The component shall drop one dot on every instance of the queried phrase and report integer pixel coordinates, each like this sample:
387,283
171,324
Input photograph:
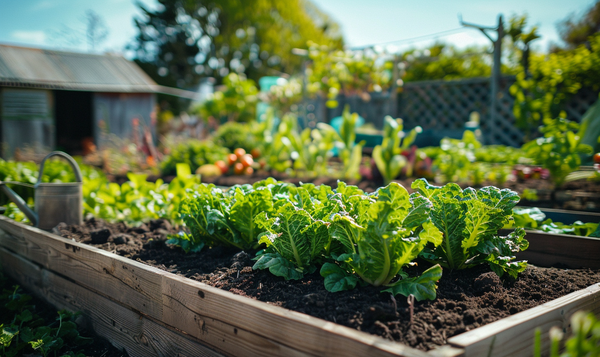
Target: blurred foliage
552,79
138,200
232,135
558,150
235,101
181,41
519,46
309,149
27,172
443,61
331,72
192,152
576,31
583,341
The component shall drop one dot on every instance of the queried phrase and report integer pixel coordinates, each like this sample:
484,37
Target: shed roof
40,68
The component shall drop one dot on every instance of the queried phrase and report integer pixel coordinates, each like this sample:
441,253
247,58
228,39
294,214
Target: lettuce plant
295,232
469,221
217,218
385,232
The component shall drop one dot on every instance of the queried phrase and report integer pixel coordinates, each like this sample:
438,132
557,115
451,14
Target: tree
575,31
96,31
521,40
184,40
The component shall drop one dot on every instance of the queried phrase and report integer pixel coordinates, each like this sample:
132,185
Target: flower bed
141,308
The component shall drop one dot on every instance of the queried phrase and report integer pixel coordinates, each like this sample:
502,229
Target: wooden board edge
124,328
265,312
506,336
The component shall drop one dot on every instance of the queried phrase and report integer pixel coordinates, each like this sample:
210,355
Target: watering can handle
65,156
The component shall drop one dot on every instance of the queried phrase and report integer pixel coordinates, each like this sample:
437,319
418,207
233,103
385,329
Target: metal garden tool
54,202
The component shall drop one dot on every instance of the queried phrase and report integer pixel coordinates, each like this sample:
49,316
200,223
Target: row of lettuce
353,237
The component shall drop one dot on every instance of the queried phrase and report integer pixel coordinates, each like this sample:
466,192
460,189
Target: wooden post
496,69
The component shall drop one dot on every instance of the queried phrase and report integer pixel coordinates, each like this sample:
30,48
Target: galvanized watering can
54,202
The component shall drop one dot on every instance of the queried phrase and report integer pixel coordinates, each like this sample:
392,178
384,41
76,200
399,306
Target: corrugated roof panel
69,70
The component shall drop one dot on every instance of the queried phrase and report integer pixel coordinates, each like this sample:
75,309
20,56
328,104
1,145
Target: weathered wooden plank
447,351
302,332
131,283
122,279
513,336
547,250
126,329
235,325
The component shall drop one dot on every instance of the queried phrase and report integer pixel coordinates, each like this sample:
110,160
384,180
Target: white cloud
36,37
44,4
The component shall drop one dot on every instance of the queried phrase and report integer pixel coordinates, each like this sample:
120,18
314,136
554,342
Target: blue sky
36,22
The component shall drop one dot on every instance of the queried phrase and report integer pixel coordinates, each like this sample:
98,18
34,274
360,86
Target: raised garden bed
149,311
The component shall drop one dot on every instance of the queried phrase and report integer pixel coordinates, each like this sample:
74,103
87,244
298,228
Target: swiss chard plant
388,156
378,235
350,152
469,220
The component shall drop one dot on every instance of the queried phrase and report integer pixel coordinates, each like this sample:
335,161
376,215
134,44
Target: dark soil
466,299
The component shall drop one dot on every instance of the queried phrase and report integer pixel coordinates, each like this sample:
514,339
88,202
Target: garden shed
56,99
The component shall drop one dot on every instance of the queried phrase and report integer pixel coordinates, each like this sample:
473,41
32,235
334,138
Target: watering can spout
33,217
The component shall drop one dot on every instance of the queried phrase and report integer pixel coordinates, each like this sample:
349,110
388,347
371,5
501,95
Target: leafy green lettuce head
469,220
387,232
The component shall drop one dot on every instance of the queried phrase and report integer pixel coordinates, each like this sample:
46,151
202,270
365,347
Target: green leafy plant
226,218
388,156
23,332
310,149
295,233
194,153
349,152
455,158
559,149
534,218
387,232
138,200
469,221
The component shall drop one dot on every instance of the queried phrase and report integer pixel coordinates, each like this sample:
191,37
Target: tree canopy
576,30
182,41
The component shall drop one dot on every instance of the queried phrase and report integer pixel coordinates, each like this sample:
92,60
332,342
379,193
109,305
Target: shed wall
27,120
114,114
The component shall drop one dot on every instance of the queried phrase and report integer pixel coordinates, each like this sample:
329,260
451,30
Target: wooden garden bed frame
150,312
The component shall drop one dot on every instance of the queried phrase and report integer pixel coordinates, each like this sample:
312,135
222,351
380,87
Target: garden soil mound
466,299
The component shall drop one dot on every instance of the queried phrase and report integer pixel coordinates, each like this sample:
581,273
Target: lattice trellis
441,105
445,106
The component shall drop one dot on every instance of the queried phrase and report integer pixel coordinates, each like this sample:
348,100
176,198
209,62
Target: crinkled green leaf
336,278
469,221
422,287
376,242
278,266
246,207
294,233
